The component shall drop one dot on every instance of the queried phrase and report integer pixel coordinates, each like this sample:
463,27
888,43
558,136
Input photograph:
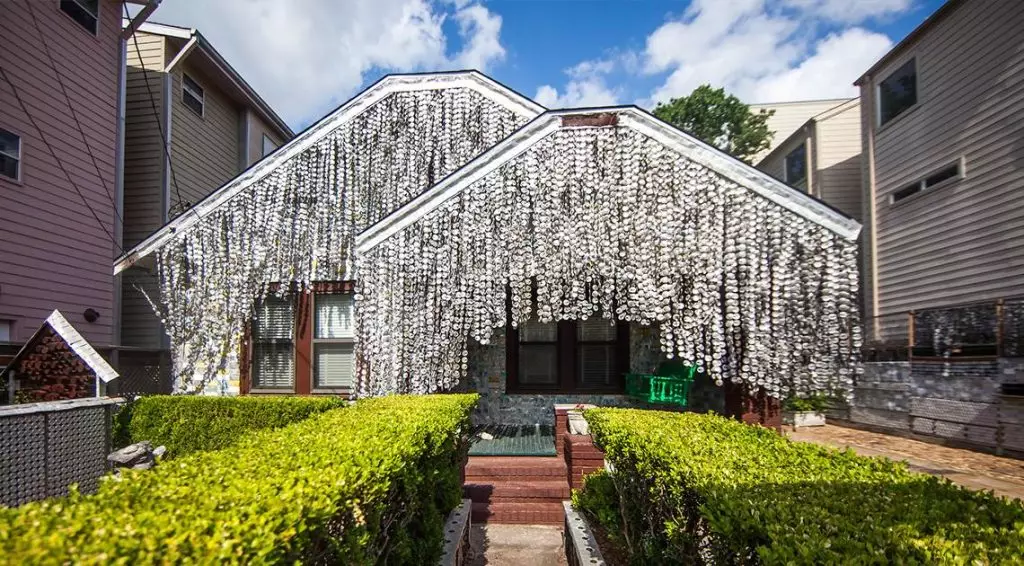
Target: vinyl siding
963,241
54,254
775,164
789,116
144,156
205,150
837,159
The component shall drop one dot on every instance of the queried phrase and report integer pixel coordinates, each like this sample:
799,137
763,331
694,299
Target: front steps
517,489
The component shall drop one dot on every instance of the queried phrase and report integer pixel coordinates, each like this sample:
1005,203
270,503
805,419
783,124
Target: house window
588,355
942,176
898,92
273,339
5,331
85,12
192,94
268,145
333,342
796,165
10,155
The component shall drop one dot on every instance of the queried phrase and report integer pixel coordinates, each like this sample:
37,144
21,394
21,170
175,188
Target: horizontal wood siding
257,128
204,150
963,241
837,160
143,156
54,254
788,117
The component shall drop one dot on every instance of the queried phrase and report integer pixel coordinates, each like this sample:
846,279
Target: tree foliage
719,119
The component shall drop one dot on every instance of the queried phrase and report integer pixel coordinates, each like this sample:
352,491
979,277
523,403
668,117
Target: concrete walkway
976,470
516,545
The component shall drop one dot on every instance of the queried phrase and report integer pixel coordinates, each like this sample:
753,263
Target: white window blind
333,347
273,346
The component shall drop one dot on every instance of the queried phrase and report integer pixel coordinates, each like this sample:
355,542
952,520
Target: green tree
719,119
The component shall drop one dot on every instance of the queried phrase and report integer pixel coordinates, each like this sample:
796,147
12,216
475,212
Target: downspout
872,243
122,74
165,200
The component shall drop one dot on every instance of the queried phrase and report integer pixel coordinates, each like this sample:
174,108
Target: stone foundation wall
953,400
486,376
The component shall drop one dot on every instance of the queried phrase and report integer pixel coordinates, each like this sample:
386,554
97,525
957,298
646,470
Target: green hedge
193,423
367,484
689,488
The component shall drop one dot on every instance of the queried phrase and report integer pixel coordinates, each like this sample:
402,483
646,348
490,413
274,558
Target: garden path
516,545
976,470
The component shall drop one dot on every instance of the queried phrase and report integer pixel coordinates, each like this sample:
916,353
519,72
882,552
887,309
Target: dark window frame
950,173
18,159
567,353
802,148
80,14
886,116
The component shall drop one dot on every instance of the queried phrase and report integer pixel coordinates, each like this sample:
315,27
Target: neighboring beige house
788,117
822,156
943,140
192,124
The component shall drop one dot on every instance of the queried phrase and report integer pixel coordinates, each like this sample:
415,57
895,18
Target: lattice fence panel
22,459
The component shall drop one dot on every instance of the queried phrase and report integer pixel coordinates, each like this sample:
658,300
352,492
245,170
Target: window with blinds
333,342
596,344
274,344
538,353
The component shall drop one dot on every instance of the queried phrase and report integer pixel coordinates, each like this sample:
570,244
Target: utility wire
60,164
156,114
74,115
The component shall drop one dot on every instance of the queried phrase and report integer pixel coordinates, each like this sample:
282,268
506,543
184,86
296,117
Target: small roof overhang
79,345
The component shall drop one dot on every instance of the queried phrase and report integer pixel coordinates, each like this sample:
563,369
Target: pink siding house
60,191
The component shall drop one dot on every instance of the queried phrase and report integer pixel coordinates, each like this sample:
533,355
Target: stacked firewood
51,371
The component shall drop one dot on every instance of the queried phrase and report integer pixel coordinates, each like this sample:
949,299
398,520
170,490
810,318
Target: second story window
85,12
10,155
898,92
192,94
268,145
796,165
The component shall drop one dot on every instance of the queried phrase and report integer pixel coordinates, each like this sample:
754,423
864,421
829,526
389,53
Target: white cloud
306,56
759,50
586,87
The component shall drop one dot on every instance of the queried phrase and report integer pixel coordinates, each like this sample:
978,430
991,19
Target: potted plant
578,424
805,411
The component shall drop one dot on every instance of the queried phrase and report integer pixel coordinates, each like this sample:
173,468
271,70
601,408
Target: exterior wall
775,163
837,178
954,401
486,376
144,157
257,129
789,116
54,254
970,95
204,149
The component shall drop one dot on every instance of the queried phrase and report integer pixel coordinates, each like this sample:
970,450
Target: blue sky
307,56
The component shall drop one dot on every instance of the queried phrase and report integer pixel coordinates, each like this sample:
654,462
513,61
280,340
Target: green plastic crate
670,385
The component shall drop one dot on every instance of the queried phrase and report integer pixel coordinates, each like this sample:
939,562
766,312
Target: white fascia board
742,173
457,182
81,347
163,29
374,94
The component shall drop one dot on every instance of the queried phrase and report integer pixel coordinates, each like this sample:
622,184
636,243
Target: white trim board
737,171
391,84
79,345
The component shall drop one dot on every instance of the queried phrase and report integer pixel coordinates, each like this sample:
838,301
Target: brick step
532,513
484,469
521,491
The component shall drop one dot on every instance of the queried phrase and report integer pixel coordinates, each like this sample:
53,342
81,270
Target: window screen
333,347
273,344
597,341
85,12
192,94
10,155
538,353
898,92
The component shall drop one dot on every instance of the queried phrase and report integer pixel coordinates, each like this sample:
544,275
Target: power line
74,115
156,115
60,164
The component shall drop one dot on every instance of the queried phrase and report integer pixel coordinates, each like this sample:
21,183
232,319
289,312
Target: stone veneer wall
486,376
955,400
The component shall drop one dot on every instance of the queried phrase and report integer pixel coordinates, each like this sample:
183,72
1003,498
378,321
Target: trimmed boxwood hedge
193,423
367,484
693,489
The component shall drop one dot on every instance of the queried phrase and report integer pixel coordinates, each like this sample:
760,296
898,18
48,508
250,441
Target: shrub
193,423
817,403
705,489
368,484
